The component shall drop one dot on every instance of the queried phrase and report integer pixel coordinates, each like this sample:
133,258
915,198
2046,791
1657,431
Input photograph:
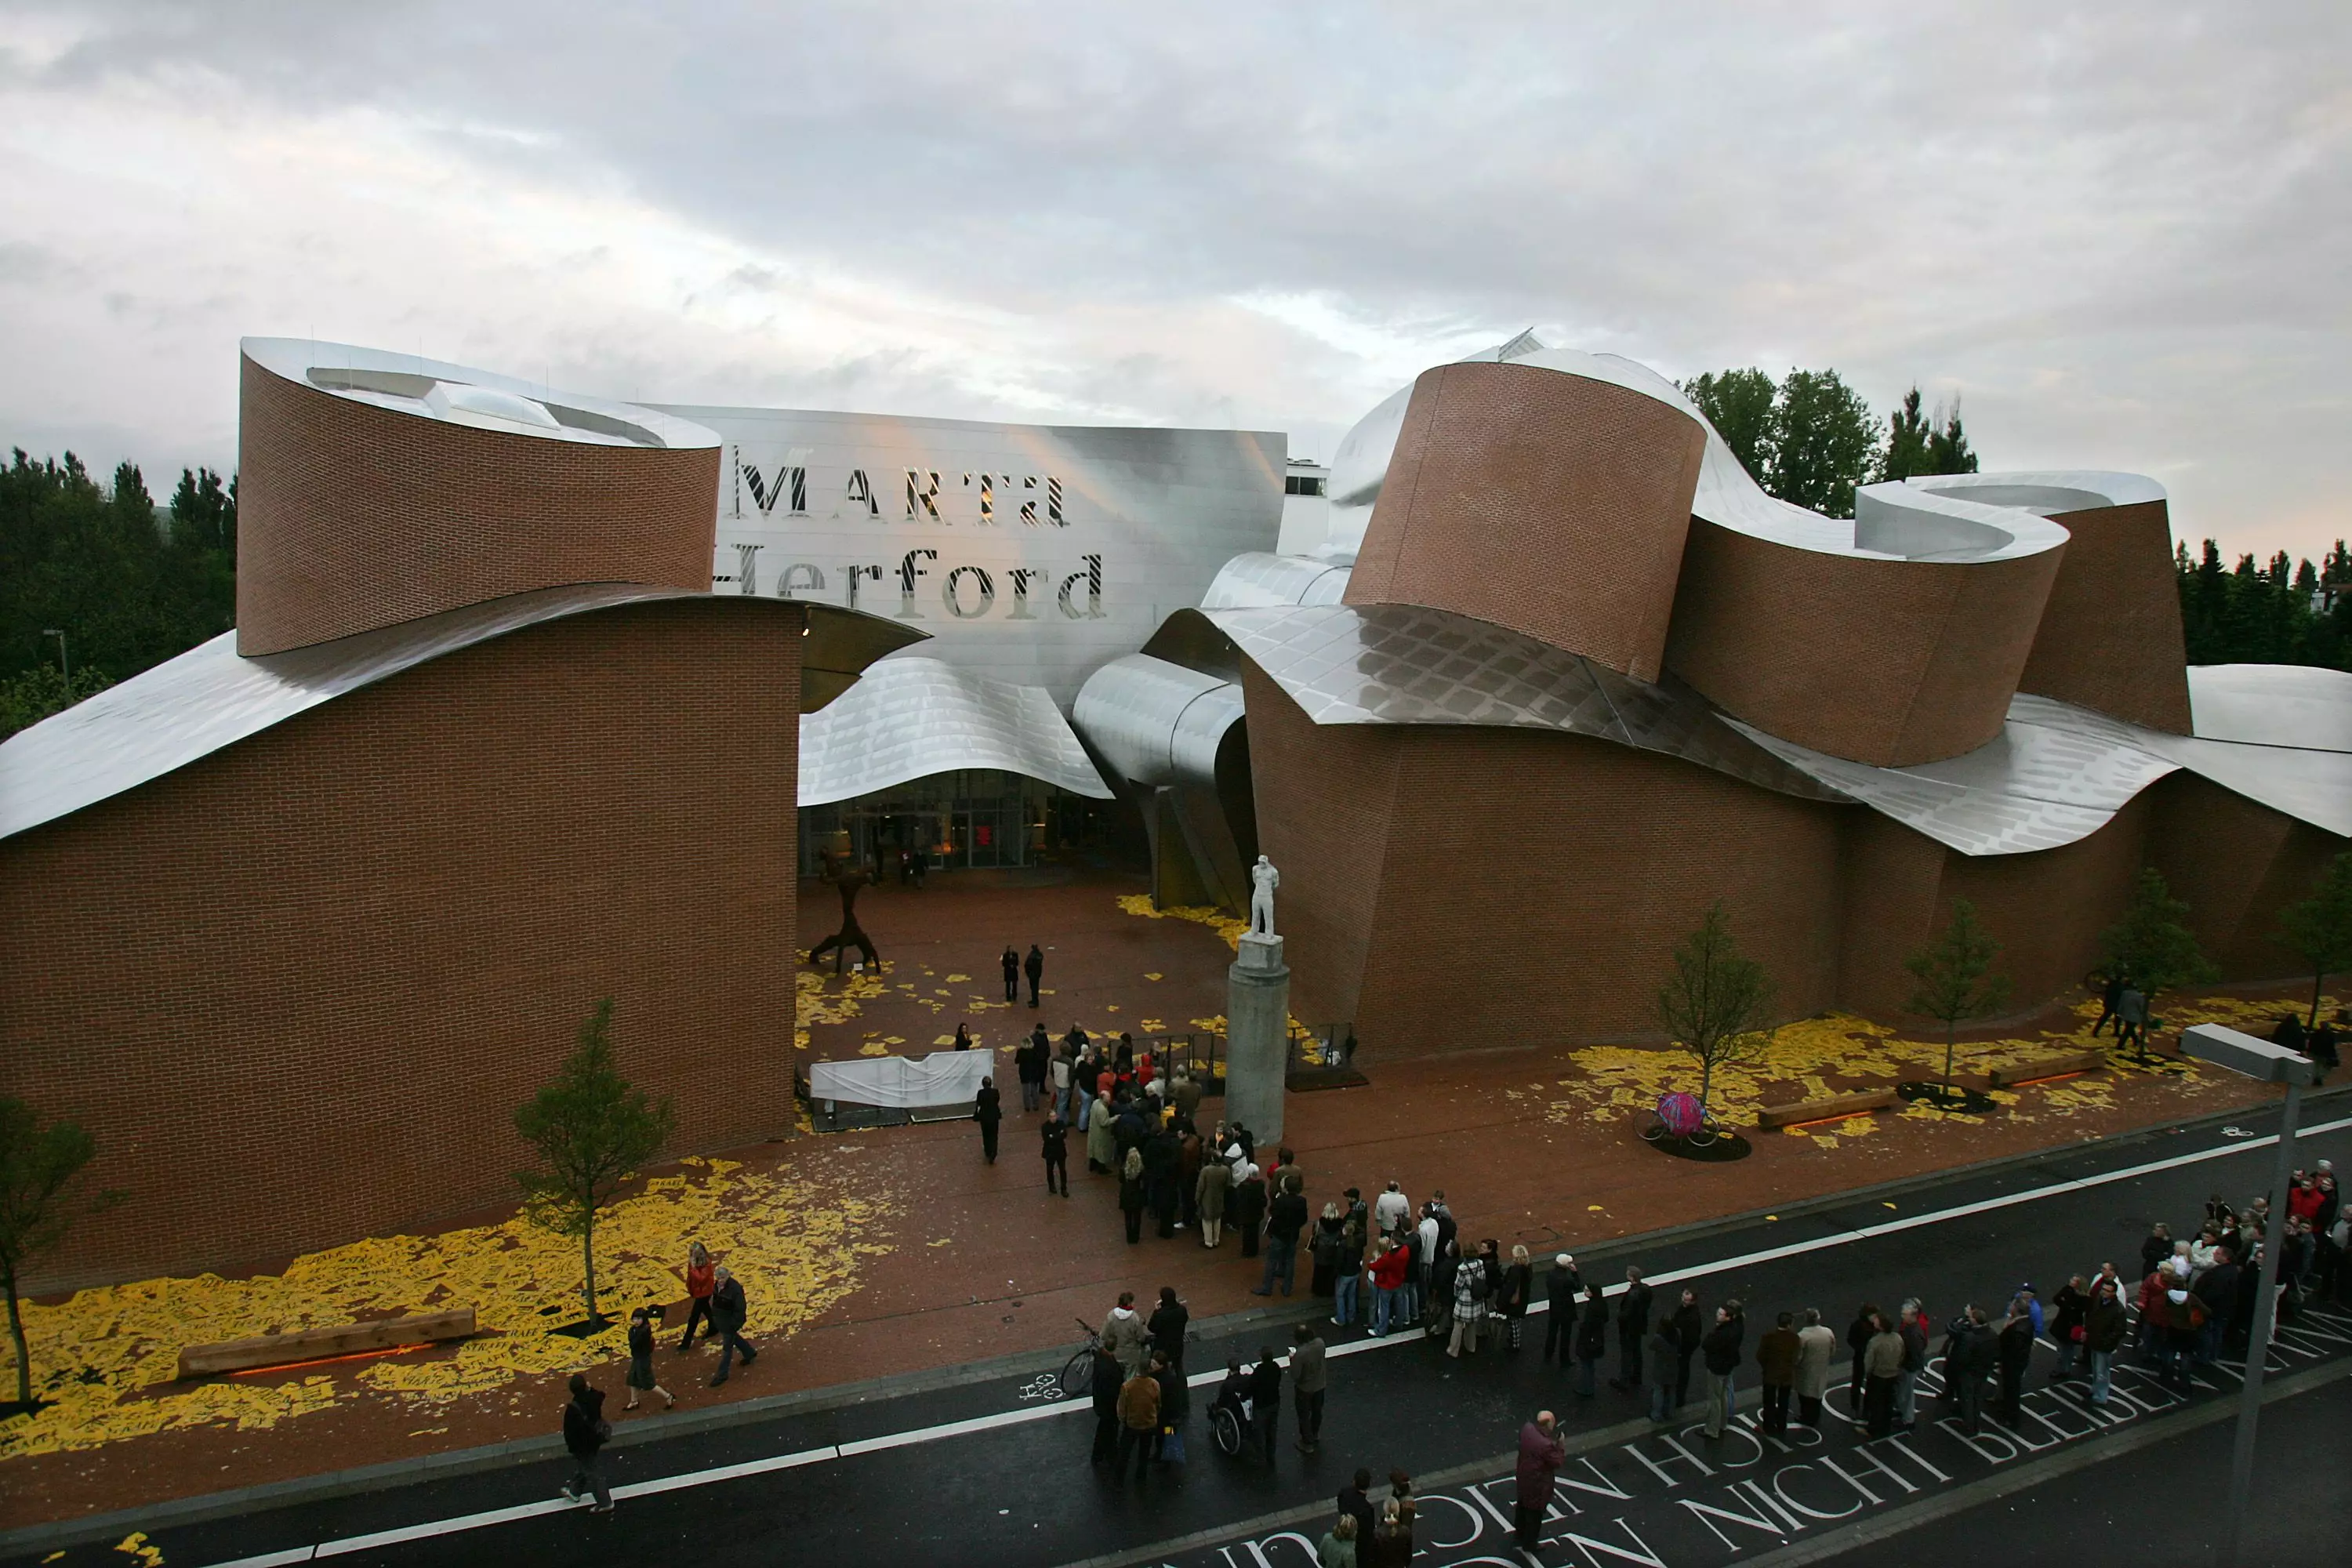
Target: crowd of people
1392,1266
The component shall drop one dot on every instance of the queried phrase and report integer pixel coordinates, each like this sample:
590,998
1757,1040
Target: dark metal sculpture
847,876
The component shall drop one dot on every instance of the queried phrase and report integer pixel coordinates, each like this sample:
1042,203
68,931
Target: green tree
2320,927
1738,403
1822,438
41,1196
2150,946
1947,446
592,1131
1715,1003
204,513
1955,978
1906,452
30,695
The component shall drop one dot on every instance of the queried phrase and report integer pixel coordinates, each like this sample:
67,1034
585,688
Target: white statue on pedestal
1263,880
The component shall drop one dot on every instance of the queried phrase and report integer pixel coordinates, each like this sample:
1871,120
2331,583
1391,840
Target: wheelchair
1230,1426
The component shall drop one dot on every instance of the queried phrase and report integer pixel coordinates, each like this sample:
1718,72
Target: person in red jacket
701,1280
1388,1271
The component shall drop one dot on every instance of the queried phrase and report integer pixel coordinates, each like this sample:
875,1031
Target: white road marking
720,1473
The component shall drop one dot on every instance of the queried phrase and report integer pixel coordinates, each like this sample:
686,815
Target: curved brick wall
351,516
1542,501
297,988
2110,635
1453,888
1890,662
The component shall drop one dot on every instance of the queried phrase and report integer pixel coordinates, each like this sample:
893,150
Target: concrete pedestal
1258,1036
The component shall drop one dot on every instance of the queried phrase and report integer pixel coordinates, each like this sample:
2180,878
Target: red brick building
298,918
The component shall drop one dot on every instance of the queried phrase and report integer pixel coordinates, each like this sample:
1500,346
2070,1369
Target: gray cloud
2115,232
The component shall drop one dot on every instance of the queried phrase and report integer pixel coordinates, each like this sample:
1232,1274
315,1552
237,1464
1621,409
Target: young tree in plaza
2320,927
2151,947
1715,1003
41,1197
592,1131
1957,982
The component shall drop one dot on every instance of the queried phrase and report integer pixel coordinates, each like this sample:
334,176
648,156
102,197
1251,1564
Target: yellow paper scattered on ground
108,1356
1224,924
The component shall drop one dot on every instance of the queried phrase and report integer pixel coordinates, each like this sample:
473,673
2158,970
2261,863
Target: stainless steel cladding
1031,554
1157,722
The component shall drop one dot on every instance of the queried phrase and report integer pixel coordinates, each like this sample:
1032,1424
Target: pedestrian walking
1389,1288
1210,1189
1560,1292
1511,1298
1882,1363
1391,1544
1663,1348
1858,1335
2104,1326
730,1311
1131,1194
1034,966
1968,1355
1816,1344
1139,1421
2071,1308
1245,1203
1592,1340
1632,1322
1913,1326
1169,1322
1175,1404
1011,973
1689,1330
1125,1335
2111,991
1309,1377
1721,1349
1541,1453
2016,1352
585,1431
641,1361
1266,1400
700,1280
1109,1378
1285,1218
1777,1355
988,1113
1355,1502
1469,1306
2131,1018
1053,1144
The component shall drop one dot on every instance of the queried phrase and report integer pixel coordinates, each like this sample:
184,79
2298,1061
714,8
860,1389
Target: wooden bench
2047,1067
1835,1107
317,1345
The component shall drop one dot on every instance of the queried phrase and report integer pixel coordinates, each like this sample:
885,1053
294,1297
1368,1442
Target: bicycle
1077,1376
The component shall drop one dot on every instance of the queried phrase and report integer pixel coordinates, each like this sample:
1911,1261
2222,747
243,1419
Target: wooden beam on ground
2048,1066
1835,1107
317,1345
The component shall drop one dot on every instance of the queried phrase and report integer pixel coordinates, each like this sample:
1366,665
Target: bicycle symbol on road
1045,1385
2237,1132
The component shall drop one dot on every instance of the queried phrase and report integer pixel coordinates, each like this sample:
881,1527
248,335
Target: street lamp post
64,668
2269,1063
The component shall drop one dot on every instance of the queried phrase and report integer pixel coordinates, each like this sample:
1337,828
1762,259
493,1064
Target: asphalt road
981,1475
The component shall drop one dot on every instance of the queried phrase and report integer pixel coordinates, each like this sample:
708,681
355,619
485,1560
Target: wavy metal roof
185,709
910,717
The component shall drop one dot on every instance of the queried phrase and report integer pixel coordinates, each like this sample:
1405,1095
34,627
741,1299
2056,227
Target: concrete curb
207,1506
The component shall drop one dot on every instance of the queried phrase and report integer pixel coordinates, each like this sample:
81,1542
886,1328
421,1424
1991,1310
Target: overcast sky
2119,234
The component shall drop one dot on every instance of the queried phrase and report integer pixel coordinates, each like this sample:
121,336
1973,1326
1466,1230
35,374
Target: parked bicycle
1078,1375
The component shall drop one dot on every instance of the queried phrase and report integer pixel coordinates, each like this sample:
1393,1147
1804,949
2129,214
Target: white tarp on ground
902,1083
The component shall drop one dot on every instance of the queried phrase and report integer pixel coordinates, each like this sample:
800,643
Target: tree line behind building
130,585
